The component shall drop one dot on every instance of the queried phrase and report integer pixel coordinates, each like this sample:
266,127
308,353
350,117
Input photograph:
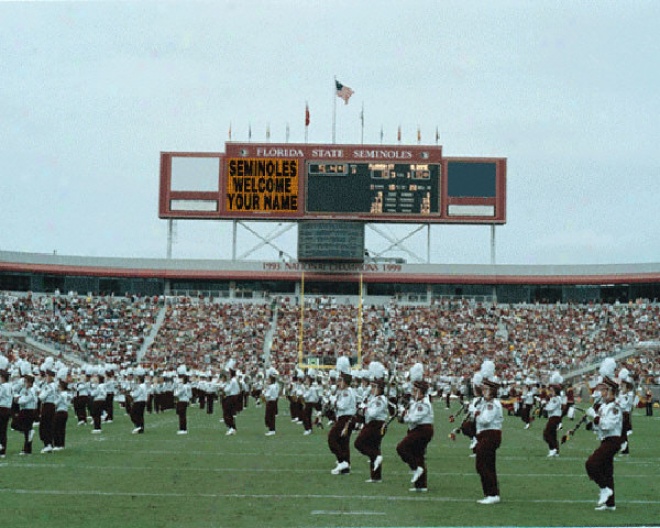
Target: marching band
363,401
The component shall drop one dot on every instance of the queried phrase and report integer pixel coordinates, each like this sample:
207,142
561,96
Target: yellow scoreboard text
262,185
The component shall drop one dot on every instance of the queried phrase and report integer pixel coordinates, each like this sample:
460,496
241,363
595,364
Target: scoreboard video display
370,183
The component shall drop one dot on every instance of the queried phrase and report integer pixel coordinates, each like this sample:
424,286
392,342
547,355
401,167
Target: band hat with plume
624,376
62,373
416,374
606,370
556,379
488,374
48,366
230,366
343,366
377,371
25,368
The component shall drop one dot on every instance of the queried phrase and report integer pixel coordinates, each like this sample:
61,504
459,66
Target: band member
339,436
139,396
607,423
27,408
489,418
419,417
183,393
81,398
554,409
232,393
375,413
528,395
311,399
6,399
110,390
62,400
469,425
626,401
47,399
98,395
271,394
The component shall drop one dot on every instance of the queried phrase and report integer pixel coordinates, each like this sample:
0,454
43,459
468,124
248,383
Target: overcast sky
568,92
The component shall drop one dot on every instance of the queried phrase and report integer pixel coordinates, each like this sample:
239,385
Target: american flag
343,92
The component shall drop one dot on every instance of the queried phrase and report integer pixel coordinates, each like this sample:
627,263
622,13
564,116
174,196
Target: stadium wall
417,282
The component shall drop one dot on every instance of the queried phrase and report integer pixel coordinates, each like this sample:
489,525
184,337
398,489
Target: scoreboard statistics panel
365,183
375,188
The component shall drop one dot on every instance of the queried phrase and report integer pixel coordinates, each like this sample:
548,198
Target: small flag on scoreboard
343,92
306,115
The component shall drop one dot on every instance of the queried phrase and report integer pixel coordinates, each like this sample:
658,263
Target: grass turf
206,479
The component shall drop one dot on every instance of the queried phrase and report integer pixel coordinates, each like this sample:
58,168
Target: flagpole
334,111
306,121
362,120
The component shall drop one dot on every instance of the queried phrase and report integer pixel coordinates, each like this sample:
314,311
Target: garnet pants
368,443
600,465
487,444
338,444
412,450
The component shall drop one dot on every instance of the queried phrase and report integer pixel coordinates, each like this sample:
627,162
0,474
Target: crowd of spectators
203,334
95,328
449,335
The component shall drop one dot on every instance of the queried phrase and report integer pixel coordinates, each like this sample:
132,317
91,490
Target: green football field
206,479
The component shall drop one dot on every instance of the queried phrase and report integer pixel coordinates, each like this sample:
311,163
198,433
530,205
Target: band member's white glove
591,412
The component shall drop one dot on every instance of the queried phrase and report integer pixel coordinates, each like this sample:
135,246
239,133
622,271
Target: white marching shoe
378,462
182,432
308,432
492,499
605,507
553,453
417,473
230,432
47,449
270,433
605,494
341,466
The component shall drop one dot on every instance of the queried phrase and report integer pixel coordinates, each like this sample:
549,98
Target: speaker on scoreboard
330,241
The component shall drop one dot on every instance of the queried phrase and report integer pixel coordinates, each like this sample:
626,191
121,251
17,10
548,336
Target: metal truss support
266,240
397,243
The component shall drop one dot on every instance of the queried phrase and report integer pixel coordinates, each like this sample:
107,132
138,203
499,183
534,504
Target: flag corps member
419,417
339,436
375,413
607,424
489,418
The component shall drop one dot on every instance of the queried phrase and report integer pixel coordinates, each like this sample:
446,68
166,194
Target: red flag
343,92
398,134
306,115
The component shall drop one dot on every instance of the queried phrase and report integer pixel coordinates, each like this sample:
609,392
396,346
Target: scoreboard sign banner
261,185
370,183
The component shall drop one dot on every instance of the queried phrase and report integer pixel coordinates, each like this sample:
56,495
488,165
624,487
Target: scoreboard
368,183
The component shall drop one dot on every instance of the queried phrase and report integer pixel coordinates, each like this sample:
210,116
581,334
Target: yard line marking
339,512
402,498
648,462
20,464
